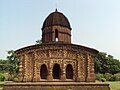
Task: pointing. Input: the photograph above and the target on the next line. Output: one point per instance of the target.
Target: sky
(95, 23)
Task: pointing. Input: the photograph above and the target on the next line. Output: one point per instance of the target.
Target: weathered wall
(81, 58)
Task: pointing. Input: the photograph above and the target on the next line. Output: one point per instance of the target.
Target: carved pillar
(30, 66)
(25, 76)
(63, 73)
(35, 76)
(80, 68)
(35, 68)
(38, 71)
(90, 69)
(20, 72)
(49, 76)
(74, 72)
(78, 76)
(34, 72)
(84, 66)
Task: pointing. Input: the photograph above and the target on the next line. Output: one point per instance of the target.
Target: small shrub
(103, 80)
(113, 78)
(117, 76)
(99, 76)
(107, 76)
(2, 77)
(9, 77)
(15, 79)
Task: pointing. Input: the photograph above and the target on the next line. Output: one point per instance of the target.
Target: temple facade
(56, 58)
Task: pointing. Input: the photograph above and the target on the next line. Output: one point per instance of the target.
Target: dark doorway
(56, 71)
(69, 72)
(56, 35)
(43, 72)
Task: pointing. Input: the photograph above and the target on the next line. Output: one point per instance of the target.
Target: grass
(2, 82)
(1, 85)
(114, 85)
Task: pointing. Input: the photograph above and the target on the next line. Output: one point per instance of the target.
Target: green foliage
(3, 66)
(9, 77)
(38, 42)
(99, 76)
(2, 77)
(107, 67)
(15, 79)
(13, 61)
(113, 78)
(103, 80)
(10, 66)
(117, 76)
(1, 85)
(108, 76)
(106, 64)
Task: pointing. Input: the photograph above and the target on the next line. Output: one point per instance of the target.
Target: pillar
(30, 66)
(20, 72)
(49, 76)
(90, 68)
(25, 76)
(38, 71)
(35, 72)
(80, 68)
(35, 68)
(63, 72)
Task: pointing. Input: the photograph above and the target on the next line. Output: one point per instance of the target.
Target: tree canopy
(11, 64)
(106, 64)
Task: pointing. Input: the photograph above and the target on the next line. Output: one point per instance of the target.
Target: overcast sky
(95, 23)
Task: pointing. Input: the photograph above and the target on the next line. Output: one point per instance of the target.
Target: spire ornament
(56, 10)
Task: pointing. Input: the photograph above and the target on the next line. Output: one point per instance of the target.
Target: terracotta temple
(56, 59)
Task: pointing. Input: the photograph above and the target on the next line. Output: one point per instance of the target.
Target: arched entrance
(56, 35)
(43, 72)
(56, 71)
(69, 72)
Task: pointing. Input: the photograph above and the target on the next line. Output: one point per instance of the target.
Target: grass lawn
(1, 85)
(2, 82)
(114, 85)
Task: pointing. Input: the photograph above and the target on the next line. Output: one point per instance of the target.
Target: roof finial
(56, 10)
(56, 7)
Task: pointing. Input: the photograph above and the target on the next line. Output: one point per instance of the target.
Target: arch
(43, 72)
(69, 72)
(56, 35)
(56, 71)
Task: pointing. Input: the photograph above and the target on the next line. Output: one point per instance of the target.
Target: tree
(13, 61)
(100, 63)
(38, 42)
(3, 65)
(106, 64)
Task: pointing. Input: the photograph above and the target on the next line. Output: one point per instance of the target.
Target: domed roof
(56, 18)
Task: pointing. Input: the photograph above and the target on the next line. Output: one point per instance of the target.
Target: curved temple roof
(56, 18)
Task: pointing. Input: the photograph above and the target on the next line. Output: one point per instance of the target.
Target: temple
(56, 63)
(56, 57)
